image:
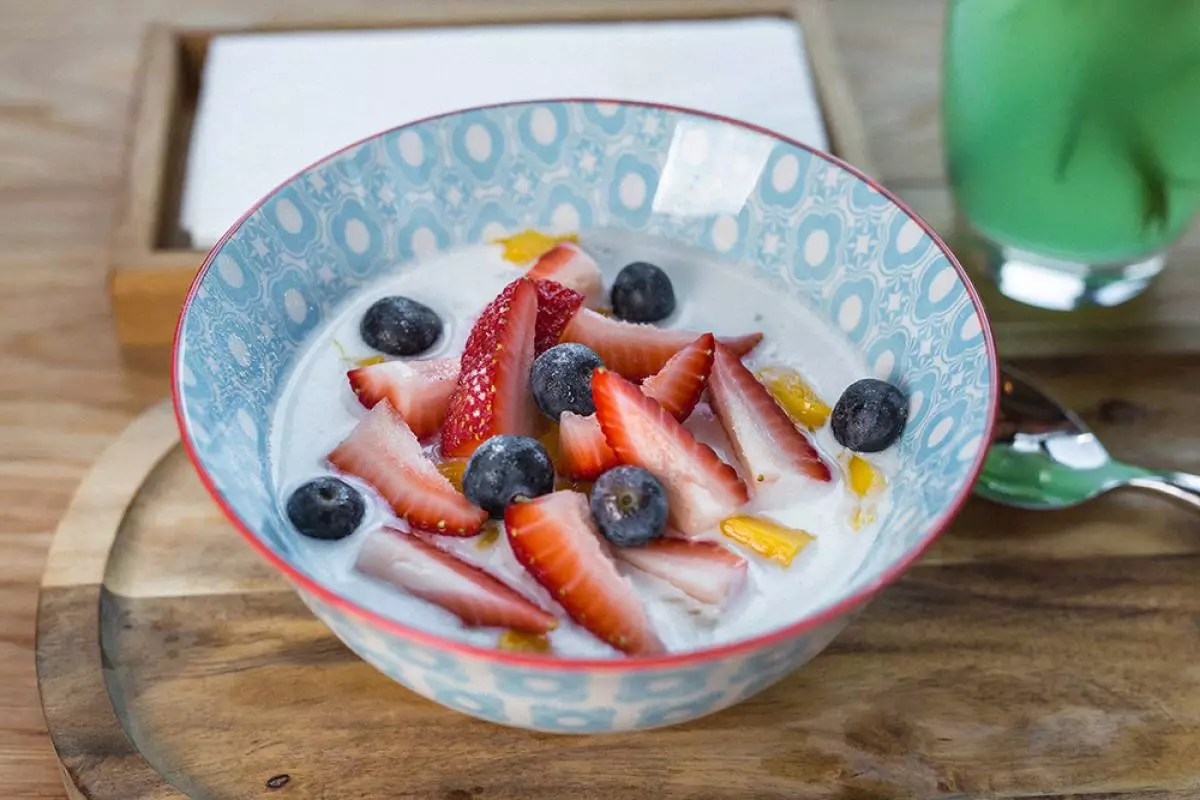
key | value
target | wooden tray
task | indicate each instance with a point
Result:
(152, 264)
(1026, 656)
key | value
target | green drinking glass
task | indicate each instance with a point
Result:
(1073, 140)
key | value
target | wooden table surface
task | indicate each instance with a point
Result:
(66, 71)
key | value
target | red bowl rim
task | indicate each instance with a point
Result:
(627, 663)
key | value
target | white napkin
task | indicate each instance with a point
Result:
(272, 103)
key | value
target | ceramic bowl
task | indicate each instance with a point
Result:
(807, 224)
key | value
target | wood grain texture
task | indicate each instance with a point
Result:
(160, 99)
(1027, 655)
(96, 755)
(67, 74)
(79, 555)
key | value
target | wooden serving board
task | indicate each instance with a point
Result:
(1028, 655)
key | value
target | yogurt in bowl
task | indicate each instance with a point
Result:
(834, 525)
(778, 525)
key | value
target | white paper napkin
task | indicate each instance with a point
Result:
(272, 103)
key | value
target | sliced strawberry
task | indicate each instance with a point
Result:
(584, 452)
(384, 452)
(701, 488)
(417, 390)
(492, 395)
(704, 570)
(556, 305)
(768, 444)
(556, 541)
(636, 351)
(679, 384)
(425, 571)
(569, 265)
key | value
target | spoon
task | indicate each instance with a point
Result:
(1044, 457)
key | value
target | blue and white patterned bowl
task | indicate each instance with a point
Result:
(808, 224)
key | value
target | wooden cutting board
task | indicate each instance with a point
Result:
(1039, 655)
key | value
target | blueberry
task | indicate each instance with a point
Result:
(506, 467)
(629, 506)
(869, 416)
(562, 380)
(400, 326)
(642, 293)
(326, 508)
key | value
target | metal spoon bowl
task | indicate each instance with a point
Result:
(1044, 457)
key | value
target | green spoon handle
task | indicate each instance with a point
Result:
(1179, 486)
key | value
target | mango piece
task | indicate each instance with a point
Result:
(795, 396)
(862, 517)
(490, 535)
(358, 362)
(521, 642)
(452, 469)
(530, 245)
(777, 542)
(863, 478)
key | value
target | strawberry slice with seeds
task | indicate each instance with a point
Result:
(767, 443)
(584, 453)
(492, 395)
(556, 541)
(681, 381)
(417, 390)
(701, 488)
(423, 570)
(569, 265)
(634, 350)
(704, 570)
(556, 305)
(383, 451)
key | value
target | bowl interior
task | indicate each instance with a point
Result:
(799, 222)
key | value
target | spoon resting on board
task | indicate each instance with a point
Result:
(1044, 457)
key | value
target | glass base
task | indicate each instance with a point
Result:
(1060, 285)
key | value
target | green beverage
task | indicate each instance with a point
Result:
(1073, 133)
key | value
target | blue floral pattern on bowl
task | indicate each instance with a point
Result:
(797, 220)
